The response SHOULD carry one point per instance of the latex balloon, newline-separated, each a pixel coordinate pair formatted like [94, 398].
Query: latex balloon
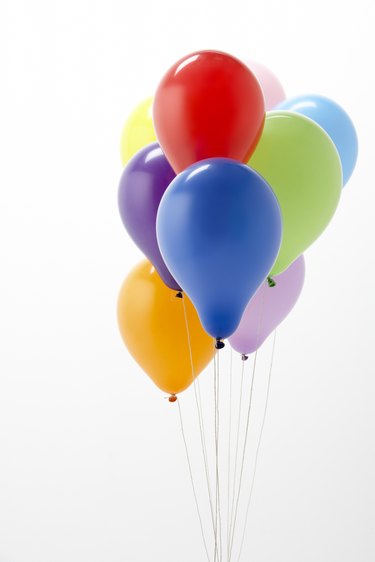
[301, 164]
[268, 308]
[219, 231]
[335, 121]
[272, 88]
[208, 104]
[143, 182]
[152, 325]
[138, 130]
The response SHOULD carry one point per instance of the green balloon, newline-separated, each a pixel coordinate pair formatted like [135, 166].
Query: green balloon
[300, 162]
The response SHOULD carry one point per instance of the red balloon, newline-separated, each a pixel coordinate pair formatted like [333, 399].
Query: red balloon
[208, 104]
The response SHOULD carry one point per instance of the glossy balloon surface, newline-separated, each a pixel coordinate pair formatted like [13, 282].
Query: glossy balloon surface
[152, 325]
[142, 185]
[219, 231]
[335, 121]
[138, 130]
[272, 88]
[208, 104]
[300, 162]
[268, 308]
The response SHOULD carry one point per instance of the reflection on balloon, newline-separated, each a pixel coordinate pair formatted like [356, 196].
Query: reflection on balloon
[335, 121]
[152, 325]
[219, 231]
[208, 104]
[142, 185]
[138, 130]
[301, 164]
[268, 308]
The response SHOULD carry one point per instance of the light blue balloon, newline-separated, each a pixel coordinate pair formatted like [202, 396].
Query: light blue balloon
[334, 120]
[219, 232]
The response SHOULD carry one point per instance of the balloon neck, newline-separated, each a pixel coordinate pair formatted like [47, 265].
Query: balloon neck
[244, 357]
[219, 343]
[172, 398]
[179, 295]
[271, 281]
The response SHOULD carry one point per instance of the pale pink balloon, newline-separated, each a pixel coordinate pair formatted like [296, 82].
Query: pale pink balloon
[268, 308]
[272, 89]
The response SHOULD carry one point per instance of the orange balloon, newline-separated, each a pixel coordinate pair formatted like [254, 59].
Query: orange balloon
[152, 324]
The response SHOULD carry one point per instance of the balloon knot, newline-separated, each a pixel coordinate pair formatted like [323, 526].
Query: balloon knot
[179, 295]
[172, 398]
[271, 282]
[219, 343]
[244, 357]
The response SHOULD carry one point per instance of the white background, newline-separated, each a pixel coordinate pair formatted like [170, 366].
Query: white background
[91, 462]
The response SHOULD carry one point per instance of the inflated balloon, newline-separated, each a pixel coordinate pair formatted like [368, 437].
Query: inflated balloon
[208, 104]
[300, 162]
[138, 130]
[272, 88]
[335, 121]
[142, 185]
[268, 308]
[219, 231]
[152, 325]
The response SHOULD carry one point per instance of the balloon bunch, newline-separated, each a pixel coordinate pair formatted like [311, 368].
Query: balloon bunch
[223, 199]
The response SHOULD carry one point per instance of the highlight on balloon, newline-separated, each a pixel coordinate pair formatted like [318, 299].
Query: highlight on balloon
[226, 184]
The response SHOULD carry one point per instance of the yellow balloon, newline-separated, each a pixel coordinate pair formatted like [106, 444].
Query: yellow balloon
[152, 324]
[138, 130]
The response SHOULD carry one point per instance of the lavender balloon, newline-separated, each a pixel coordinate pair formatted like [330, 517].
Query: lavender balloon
[142, 185]
[268, 308]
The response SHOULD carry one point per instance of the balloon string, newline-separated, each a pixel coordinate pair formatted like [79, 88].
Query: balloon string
[258, 445]
[247, 426]
[192, 479]
[217, 450]
[216, 547]
[243, 454]
[198, 402]
[236, 457]
[229, 445]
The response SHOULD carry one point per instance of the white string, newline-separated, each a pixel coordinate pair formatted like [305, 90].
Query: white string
[247, 423]
[198, 403]
[243, 453]
[236, 457]
[258, 445]
[217, 453]
[216, 549]
[192, 480]
[229, 445]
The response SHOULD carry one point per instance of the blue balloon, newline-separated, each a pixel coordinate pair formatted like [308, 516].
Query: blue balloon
[219, 231]
[334, 120]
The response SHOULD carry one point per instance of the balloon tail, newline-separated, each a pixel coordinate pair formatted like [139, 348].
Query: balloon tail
[172, 398]
[219, 343]
[271, 282]
[179, 295]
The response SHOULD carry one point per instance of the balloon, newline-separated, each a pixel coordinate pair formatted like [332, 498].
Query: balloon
[301, 164]
[335, 121]
[142, 185]
[219, 231]
[208, 104]
[268, 308]
[138, 130]
[273, 91]
[152, 325]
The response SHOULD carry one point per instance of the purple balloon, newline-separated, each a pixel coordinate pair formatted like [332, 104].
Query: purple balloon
[268, 308]
[142, 185]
